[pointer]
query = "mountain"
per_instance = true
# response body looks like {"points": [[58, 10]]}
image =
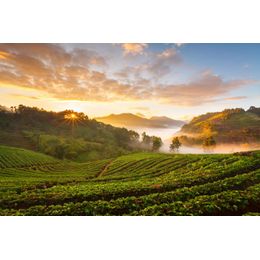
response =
{"points": [[131, 120], [229, 126]]}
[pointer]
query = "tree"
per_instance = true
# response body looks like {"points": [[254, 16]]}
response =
{"points": [[156, 143], [175, 145], [60, 151], [134, 136], [146, 139], [209, 144]]}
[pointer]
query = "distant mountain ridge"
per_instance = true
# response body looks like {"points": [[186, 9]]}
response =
{"points": [[131, 120]]}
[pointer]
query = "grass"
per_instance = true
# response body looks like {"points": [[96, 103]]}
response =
{"points": [[135, 184]]}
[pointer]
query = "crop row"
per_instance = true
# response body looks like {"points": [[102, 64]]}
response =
{"points": [[141, 205], [106, 191], [228, 203]]}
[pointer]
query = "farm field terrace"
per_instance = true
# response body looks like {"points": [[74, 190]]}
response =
{"points": [[136, 184]]}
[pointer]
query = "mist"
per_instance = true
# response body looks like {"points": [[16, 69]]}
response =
{"points": [[167, 133], [221, 148], [164, 133]]}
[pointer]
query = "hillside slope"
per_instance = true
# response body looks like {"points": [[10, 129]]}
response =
{"points": [[136, 184], [14, 157], [65, 134], [228, 126]]}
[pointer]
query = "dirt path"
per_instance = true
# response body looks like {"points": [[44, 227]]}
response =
{"points": [[101, 173]]}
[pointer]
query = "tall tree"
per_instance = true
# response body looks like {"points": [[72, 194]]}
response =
{"points": [[156, 143], [209, 144], [146, 139], [175, 145]]}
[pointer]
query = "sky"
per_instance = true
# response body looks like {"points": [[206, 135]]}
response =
{"points": [[167, 79]]}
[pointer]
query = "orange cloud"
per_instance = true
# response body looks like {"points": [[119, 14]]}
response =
{"points": [[204, 89], [235, 98], [4, 55], [68, 75], [134, 48], [23, 96], [140, 108]]}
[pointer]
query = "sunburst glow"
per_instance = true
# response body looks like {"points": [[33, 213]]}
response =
{"points": [[71, 116]]}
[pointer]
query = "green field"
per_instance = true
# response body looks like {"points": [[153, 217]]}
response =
{"points": [[135, 184]]}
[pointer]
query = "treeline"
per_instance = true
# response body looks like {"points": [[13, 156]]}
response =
{"points": [[69, 134], [65, 134], [151, 143]]}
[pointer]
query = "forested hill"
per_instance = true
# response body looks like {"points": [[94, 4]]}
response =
{"points": [[65, 134], [131, 120], [229, 126]]}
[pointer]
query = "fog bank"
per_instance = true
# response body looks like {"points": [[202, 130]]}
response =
{"points": [[164, 133], [167, 133], [221, 148]]}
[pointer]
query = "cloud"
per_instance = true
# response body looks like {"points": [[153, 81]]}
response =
{"points": [[130, 71], [49, 67], [157, 66], [134, 48], [3, 55], [163, 62], [179, 44], [235, 98], [141, 108], [24, 96], [204, 89], [69, 75]]}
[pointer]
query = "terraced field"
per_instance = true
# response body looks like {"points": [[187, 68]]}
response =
{"points": [[136, 184]]}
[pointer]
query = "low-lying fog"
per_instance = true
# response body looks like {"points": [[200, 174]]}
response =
{"points": [[167, 133], [222, 148], [164, 133]]}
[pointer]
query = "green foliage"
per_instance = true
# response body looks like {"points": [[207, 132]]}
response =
{"points": [[254, 110], [13, 157], [134, 184], [156, 143], [152, 143], [59, 135], [228, 126], [175, 144], [209, 144], [146, 139]]}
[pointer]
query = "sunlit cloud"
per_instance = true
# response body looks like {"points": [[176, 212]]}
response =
{"points": [[236, 98], [158, 65], [204, 89], [134, 48], [179, 44], [73, 75], [3, 55], [23, 96], [140, 108]]}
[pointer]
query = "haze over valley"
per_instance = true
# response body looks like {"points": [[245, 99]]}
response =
{"points": [[162, 126]]}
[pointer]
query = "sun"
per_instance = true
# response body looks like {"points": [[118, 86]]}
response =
{"points": [[72, 119], [71, 116]]}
